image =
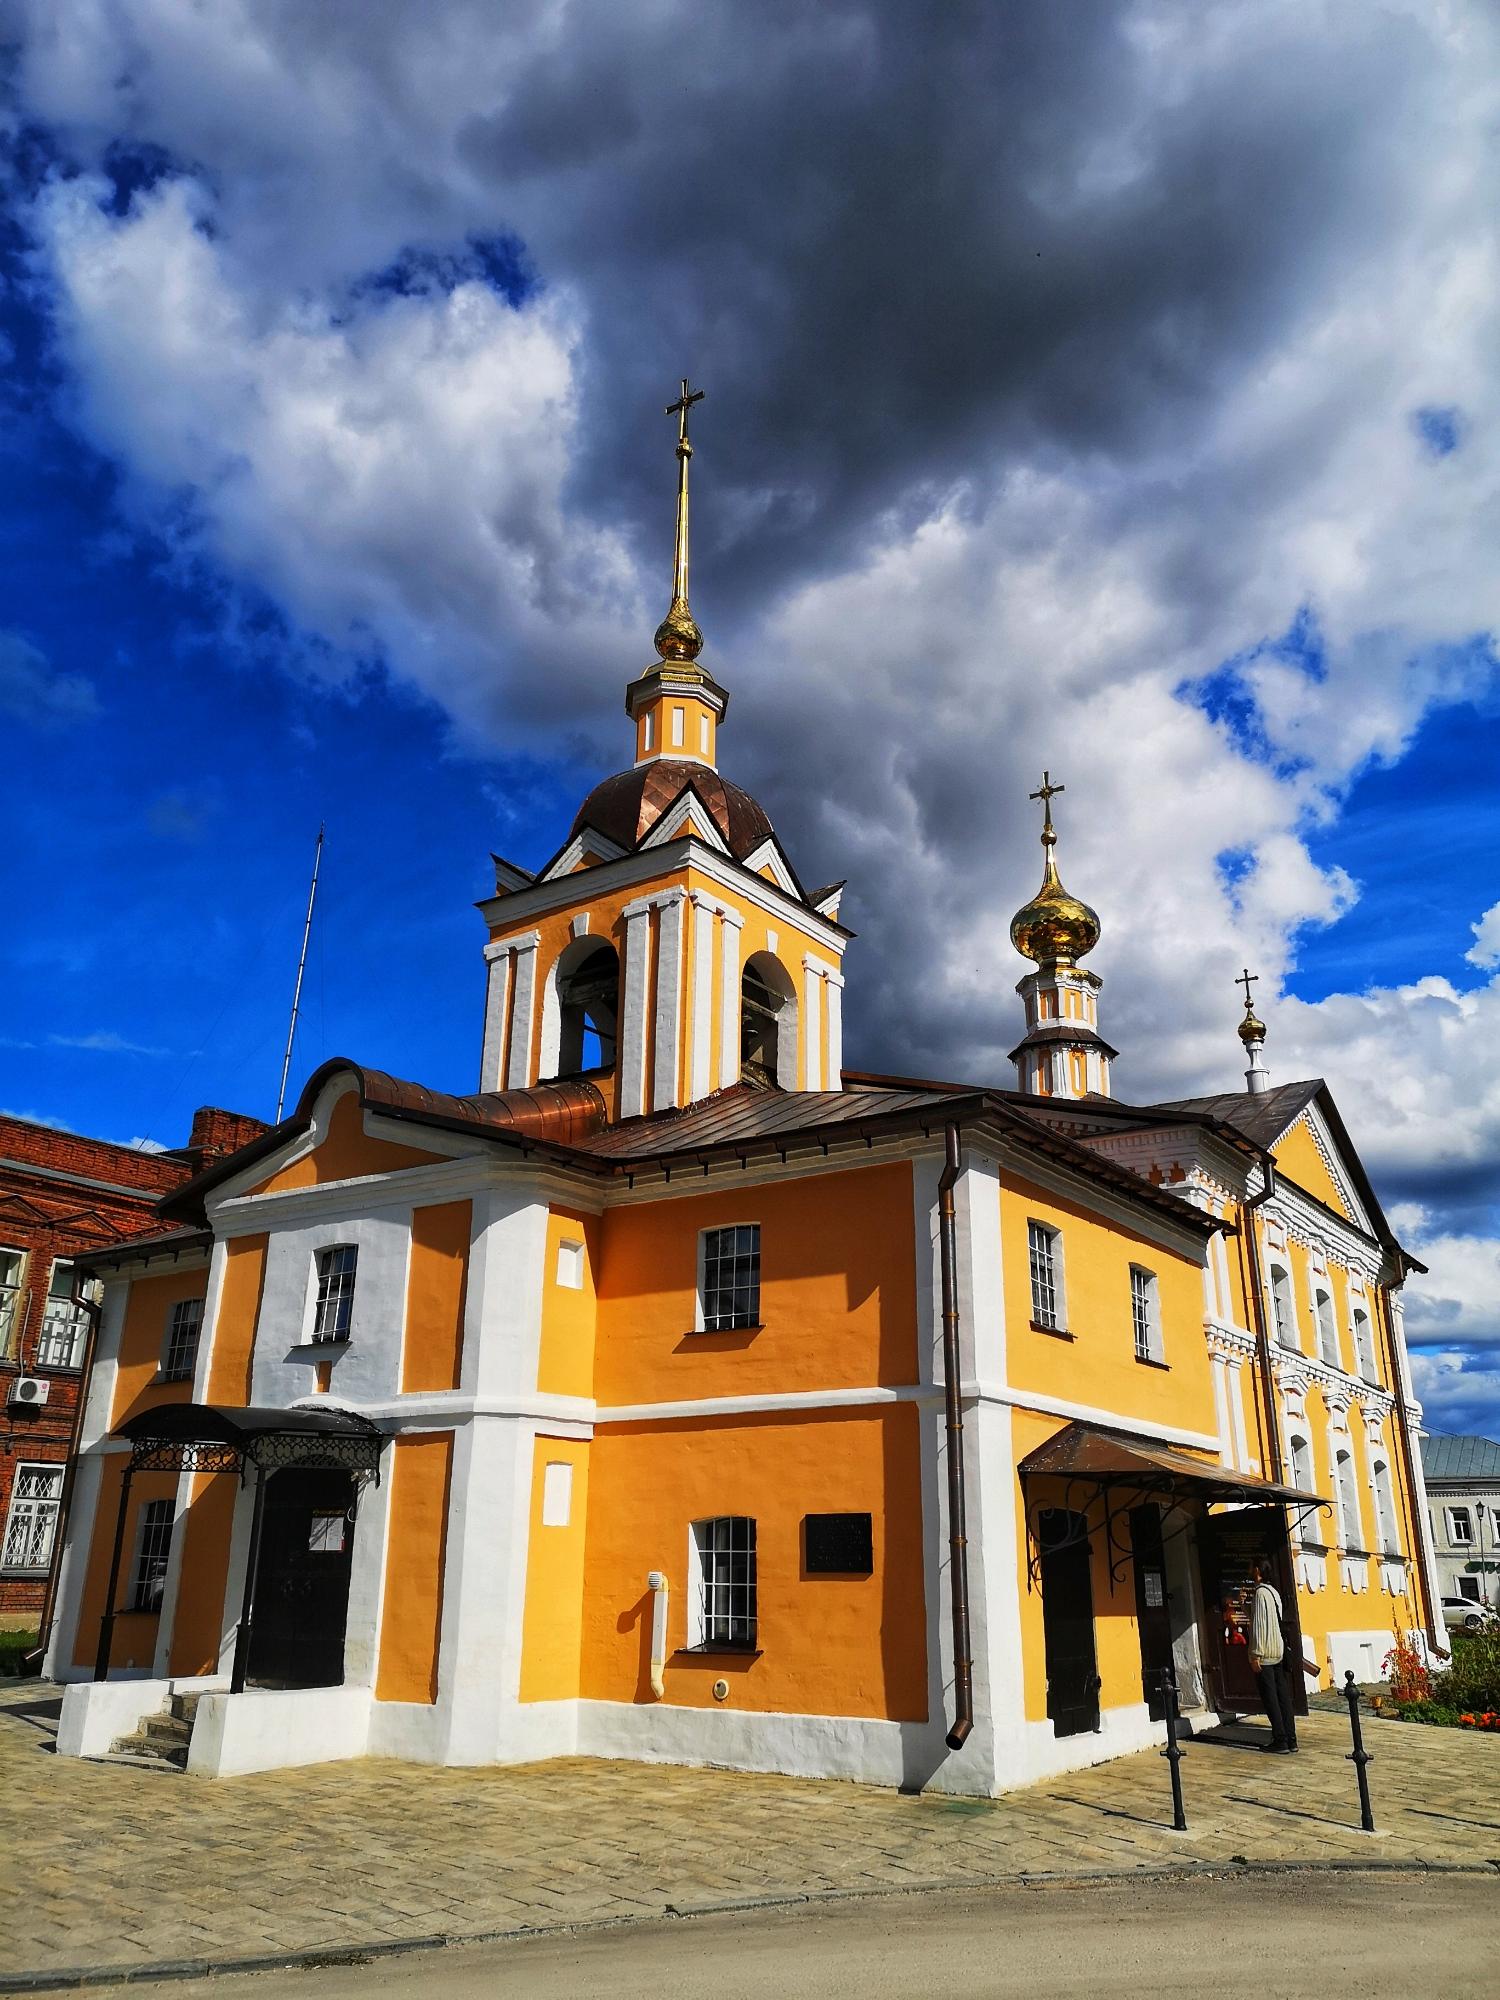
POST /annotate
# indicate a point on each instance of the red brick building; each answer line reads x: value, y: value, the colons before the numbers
x: 59, y: 1195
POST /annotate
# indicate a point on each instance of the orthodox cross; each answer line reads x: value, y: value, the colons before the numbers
x: 1247, y: 979
x: 1047, y: 794
x: 680, y: 409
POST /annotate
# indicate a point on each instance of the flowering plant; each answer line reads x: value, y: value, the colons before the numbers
x: 1406, y: 1670
x: 1489, y: 1718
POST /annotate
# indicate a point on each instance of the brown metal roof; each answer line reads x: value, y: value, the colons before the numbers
x: 1262, y: 1117
x: 567, y: 1113
x: 1121, y: 1458
x: 745, y: 1113
x: 627, y: 806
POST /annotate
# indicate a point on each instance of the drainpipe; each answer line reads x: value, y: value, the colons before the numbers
x: 1437, y: 1633
x: 958, y: 1542
x: 1258, y: 1306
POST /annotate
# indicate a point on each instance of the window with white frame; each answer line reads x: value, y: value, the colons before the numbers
x: 729, y: 1277
x: 333, y: 1314
x: 1328, y: 1326
x: 31, y: 1520
x: 180, y: 1350
x: 12, y: 1271
x: 1044, y: 1251
x: 1385, y: 1506
x: 1302, y: 1479
x: 724, y: 1560
x: 1145, y: 1313
x: 570, y: 1264
x: 1283, y: 1306
x: 650, y: 729
x: 1364, y: 1345
x: 153, y: 1545
x: 65, y: 1323
x: 1460, y: 1526
x: 679, y: 723
x: 1351, y: 1531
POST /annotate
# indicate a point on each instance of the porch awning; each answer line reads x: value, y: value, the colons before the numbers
x: 209, y: 1437
x: 1120, y: 1458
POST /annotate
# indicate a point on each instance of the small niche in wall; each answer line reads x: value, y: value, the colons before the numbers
x: 838, y: 1544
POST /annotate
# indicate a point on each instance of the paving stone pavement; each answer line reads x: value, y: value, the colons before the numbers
x: 107, y: 1865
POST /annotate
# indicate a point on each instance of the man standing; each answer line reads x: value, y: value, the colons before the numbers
x: 1267, y: 1650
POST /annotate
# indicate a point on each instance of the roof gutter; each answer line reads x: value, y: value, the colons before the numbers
x: 958, y: 1540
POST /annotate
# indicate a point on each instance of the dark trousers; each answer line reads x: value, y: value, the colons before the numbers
x: 1277, y: 1696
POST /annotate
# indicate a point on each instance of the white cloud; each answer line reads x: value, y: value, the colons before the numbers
x: 1485, y: 950
x: 1458, y: 1394
x: 32, y: 691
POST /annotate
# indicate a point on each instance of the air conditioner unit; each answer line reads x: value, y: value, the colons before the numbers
x: 30, y: 1391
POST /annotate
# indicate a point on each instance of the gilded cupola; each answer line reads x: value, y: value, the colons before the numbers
x: 1063, y: 1054
x: 1054, y: 928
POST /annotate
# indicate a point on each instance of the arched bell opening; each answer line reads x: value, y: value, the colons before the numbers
x: 581, y: 1011
x: 768, y: 1022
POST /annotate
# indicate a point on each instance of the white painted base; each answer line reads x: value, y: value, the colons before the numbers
x: 261, y: 1730
x: 1361, y: 1651
x: 94, y: 1713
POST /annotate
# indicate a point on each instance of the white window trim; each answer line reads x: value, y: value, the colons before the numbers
x: 700, y: 1324
x: 142, y: 1522
x: 570, y: 1263
x: 696, y: 1610
x: 1294, y: 1344
x: 679, y: 726
x: 557, y: 1493
x: 52, y: 1501
x: 164, y: 1359
x: 310, y: 1336
x: 1059, y: 1275
x: 10, y: 1343
x: 1154, y: 1341
x: 1450, y: 1515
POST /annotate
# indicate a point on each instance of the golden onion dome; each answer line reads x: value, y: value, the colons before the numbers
x: 1054, y: 928
x: 677, y: 636
x: 1250, y: 1029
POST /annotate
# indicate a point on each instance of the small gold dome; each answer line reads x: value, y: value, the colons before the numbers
x: 677, y: 636
x: 1054, y: 928
x: 1250, y: 1029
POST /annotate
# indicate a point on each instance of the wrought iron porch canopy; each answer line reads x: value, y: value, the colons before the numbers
x: 1107, y: 1459
x: 210, y: 1437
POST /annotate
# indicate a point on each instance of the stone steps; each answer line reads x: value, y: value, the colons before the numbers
x: 162, y: 1739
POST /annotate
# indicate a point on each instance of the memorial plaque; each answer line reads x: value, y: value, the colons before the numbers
x: 838, y: 1544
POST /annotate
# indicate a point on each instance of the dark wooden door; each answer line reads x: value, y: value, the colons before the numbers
x: 1229, y: 1544
x: 1153, y: 1612
x: 1068, y: 1622
x: 302, y: 1580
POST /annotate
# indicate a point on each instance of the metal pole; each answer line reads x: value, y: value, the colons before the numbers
x: 107, y: 1622
x: 247, y: 1599
x: 1359, y: 1756
x: 291, y: 1031
x: 1174, y: 1752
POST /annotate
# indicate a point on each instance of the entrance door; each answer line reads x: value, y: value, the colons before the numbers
x: 1230, y: 1544
x: 1068, y: 1622
x: 1153, y: 1611
x: 302, y: 1580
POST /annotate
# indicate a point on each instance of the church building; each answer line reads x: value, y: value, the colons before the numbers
x: 683, y: 1394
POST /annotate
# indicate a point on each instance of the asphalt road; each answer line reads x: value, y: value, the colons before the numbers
x: 1232, y: 1938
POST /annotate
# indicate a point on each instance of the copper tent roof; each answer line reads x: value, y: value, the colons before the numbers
x: 625, y: 807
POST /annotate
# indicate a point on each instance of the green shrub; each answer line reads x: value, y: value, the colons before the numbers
x: 1440, y: 1714
x: 1473, y: 1680
x: 12, y: 1646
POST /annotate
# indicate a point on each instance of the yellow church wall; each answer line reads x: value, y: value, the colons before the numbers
x: 826, y: 1645
x: 421, y: 1472
x: 437, y: 1274
x: 838, y: 1290
x: 134, y: 1640
x: 1097, y: 1366
x: 143, y: 1338
x: 552, y: 1627
x: 198, y: 1625
x: 1298, y: 1158
x: 792, y: 942
x: 233, y: 1330
x: 345, y: 1154
x: 565, y: 1359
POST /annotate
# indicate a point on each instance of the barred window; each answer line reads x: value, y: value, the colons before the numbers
x: 180, y: 1354
x: 726, y: 1581
x: 333, y: 1316
x: 1145, y: 1314
x: 729, y: 1295
x: 153, y: 1546
x: 1045, y: 1248
x: 31, y: 1523
x: 65, y: 1324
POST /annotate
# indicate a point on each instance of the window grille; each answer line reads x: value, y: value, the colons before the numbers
x: 184, y: 1323
x: 1144, y: 1315
x: 731, y: 1277
x: 1046, y: 1286
x: 11, y: 1262
x: 153, y: 1546
x: 726, y: 1581
x: 31, y: 1524
x: 65, y: 1324
x: 334, y: 1314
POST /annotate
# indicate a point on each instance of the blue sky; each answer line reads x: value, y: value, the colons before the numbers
x: 334, y: 487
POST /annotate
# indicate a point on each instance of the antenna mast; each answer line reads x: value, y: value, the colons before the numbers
x: 291, y: 1030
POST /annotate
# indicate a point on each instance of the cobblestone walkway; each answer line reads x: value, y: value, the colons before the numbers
x: 104, y: 1865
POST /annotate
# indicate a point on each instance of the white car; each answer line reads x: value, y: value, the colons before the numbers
x: 1462, y: 1613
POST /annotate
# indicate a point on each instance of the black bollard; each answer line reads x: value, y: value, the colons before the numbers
x: 1174, y: 1752
x: 1359, y: 1756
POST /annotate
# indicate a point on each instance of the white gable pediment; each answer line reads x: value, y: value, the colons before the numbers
x: 1312, y: 1121
x: 586, y: 843
x: 687, y: 815
x: 769, y: 859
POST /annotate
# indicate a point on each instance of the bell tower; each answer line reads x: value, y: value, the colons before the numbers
x: 1063, y: 1054
x: 667, y: 950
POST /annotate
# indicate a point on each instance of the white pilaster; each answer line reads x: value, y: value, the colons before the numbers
x: 701, y: 1054
x: 835, y: 989
x: 1235, y: 1380
x: 730, y: 926
x: 633, y: 1026
x: 812, y: 1024
x: 518, y: 1064
x: 668, y: 1043
x: 496, y: 1000
x: 1218, y: 1371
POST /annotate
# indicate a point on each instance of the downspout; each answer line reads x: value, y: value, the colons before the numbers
x: 958, y: 1541
x: 1437, y: 1635
x: 1274, y: 1465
